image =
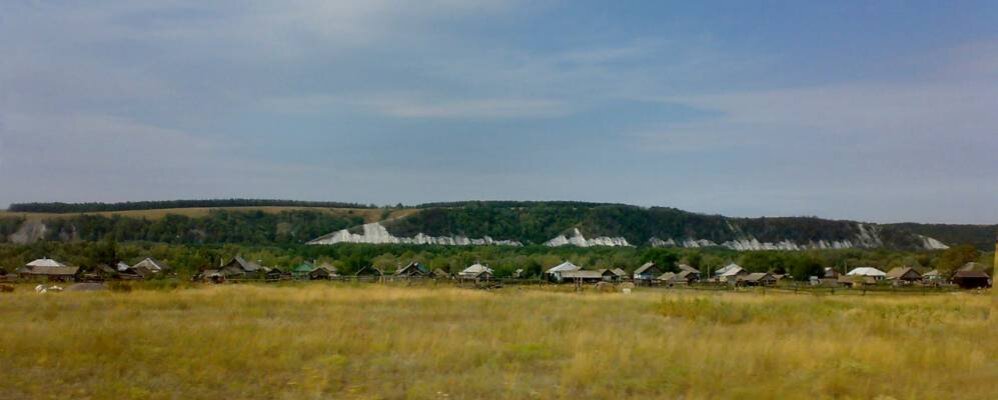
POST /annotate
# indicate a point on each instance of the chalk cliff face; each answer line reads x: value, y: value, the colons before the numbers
x: 576, y: 238
x: 375, y: 233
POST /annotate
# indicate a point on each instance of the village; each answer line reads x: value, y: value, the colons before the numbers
x: 971, y: 275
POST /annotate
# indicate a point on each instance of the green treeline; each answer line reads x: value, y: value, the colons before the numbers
x: 219, y: 226
x: 155, y: 205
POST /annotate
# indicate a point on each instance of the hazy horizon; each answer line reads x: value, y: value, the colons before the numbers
x: 880, y: 112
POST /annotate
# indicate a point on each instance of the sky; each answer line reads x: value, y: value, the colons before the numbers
x: 882, y: 111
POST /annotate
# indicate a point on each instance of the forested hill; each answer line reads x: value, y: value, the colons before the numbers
x: 614, y: 224
x: 504, y: 222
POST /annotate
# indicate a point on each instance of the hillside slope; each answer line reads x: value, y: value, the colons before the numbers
x: 590, y: 224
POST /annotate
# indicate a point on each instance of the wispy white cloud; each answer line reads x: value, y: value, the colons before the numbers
x: 402, y: 105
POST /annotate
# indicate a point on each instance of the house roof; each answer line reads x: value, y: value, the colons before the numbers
x: 971, y: 274
x: 303, y: 267
x: 49, y: 271
x: 684, y: 267
x: 419, y: 269
x: 105, y: 269
x: 584, y: 274
x: 619, y: 272
x: 686, y: 274
x: 730, y: 270
x: 972, y: 266
x: 933, y: 273
x: 563, y: 267
x: 122, y: 266
x: 866, y: 271
x: 247, y: 266
x: 45, y: 262
x: 727, y: 270
x: 645, y: 267
x: 667, y: 276
x: 831, y: 273
x: 476, y: 269
x: 152, y: 264
x: 899, y: 272
x: 756, y: 276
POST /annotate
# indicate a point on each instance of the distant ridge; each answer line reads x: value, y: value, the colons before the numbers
x: 61, y: 208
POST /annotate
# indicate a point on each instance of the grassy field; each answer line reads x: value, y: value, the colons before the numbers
x: 369, y: 214
x: 343, y: 341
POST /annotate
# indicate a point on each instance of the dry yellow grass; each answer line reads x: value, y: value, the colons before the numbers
x: 369, y: 214
x: 342, y: 341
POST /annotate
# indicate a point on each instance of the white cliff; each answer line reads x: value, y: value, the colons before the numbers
x: 375, y: 233
x: 577, y: 239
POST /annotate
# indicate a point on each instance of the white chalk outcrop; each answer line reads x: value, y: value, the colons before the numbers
x: 375, y: 233
x: 932, y: 244
x: 867, y: 237
x: 576, y: 239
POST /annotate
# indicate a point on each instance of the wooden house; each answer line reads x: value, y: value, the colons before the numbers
x: 301, y: 271
x: 619, y: 273
x: 322, y: 272
x: 972, y: 279
x: 239, y: 268
x: 903, y: 275
x: 757, y: 279
x: 50, y: 270
x: 587, y: 276
x: 692, y: 274
x: 555, y: 273
x: 477, y: 272
x: 730, y: 273
x: 647, y: 273
x: 413, y: 270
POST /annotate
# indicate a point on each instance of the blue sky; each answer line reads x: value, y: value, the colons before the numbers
x: 881, y: 111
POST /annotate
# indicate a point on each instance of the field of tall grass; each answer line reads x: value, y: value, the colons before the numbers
x: 371, y: 341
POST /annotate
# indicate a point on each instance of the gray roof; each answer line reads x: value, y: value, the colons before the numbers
x: 247, y: 266
x: 563, y: 267
x: 756, y: 276
x: 152, y: 264
x: 49, y: 271
x: 645, y: 267
x: 45, y: 262
x: 583, y: 274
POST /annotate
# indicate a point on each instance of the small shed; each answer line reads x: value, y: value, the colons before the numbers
x: 647, y: 272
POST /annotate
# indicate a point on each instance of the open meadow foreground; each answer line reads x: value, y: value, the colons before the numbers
x: 375, y: 341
